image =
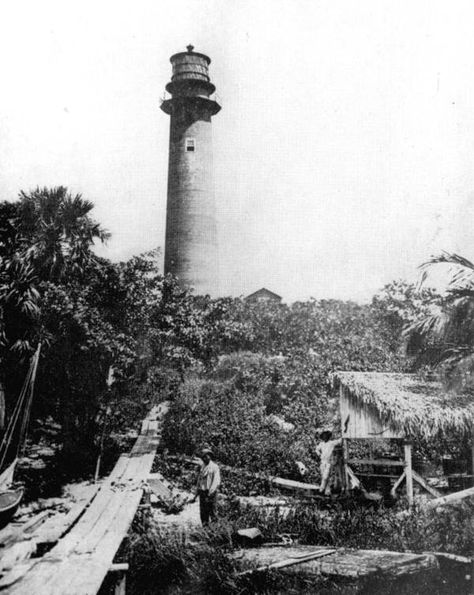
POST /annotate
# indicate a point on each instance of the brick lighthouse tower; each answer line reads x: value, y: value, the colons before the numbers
x: 191, y: 237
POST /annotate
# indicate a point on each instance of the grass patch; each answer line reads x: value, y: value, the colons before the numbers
x: 450, y: 530
x: 169, y: 562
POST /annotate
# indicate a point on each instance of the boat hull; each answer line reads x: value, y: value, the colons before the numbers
x: 9, y: 502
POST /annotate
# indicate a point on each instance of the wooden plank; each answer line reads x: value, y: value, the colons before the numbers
x: 84, y: 570
x: 451, y: 498
x: 345, y: 456
x: 389, y: 475
x: 408, y: 472
x: 451, y: 557
x: 119, y: 567
x: 80, y: 561
x: 289, y: 484
x: 57, y: 525
x: 425, y: 485
x: 397, y: 483
x: 121, y: 585
x: 289, y: 562
x: 361, y: 421
x: 18, y: 572
x: 158, y: 487
x: 378, y: 462
x: 342, y: 562
x: 472, y: 450
x: 12, y: 534
x: 352, y: 477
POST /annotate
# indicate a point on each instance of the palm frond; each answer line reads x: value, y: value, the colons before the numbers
x: 460, y: 268
x: 448, y: 258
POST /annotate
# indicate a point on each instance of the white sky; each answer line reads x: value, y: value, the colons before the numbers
x: 343, y: 152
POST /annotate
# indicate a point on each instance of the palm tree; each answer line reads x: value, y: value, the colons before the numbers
x: 46, y: 241
x: 47, y: 236
x: 19, y: 296
x: 57, y: 232
x: 445, y: 338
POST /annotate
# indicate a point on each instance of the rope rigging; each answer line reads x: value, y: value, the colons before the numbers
x: 22, y: 406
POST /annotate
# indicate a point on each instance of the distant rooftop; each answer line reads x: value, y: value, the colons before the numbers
x: 263, y: 295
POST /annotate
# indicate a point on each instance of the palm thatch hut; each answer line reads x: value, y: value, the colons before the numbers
x: 399, y: 406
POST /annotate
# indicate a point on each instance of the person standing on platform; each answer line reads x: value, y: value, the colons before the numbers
x: 208, y: 482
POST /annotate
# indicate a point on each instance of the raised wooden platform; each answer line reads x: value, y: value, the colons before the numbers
x: 336, y: 562
x: 79, y: 562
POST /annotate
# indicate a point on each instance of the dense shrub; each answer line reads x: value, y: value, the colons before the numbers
x: 232, y: 422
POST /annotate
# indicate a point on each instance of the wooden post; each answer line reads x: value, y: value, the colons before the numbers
x: 408, y: 472
x: 472, y: 450
x: 472, y: 471
x: 345, y: 446
x: 120, y: 585
x: 120, y: 569
x: 345, y: 458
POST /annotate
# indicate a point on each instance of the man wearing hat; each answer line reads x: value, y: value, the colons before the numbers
x: 208, y: 483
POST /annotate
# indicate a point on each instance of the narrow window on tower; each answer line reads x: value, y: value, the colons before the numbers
x: 190, y: 144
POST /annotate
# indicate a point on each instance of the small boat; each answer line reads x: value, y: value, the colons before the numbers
x: 9, y: 503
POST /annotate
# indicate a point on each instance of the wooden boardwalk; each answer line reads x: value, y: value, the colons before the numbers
x: 80, y: 561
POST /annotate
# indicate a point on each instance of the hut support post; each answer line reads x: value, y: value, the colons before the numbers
x: 472, y: 450
x: 120, y: 572
x: 120, y: 587
x: 345, y: 458
x: 408, y: 472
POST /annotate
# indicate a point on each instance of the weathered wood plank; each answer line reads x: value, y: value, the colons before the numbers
x: 14, y: 533
x: 397, y: 483
x: 408, y: 472
x: 57, y: 525
x: 451, y: 498
x: 451, y: 557
x: 293, y: 561
x: 42, y: 528
x: 298, y: 486
x: 343, y: 562
x: 158, y: 487
x: 377, y: 462
x: 80, y: 561
x: 389, y: 475
x: 425, y: 485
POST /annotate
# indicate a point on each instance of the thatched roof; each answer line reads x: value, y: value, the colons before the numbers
x: 410, y: 404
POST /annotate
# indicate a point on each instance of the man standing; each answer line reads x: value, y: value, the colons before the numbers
x: 208, y: 482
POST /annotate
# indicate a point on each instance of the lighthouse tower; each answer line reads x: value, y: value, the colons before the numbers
x: 191, y: 237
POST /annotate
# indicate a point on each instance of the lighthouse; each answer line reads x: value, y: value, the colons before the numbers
x: 191, y: 235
